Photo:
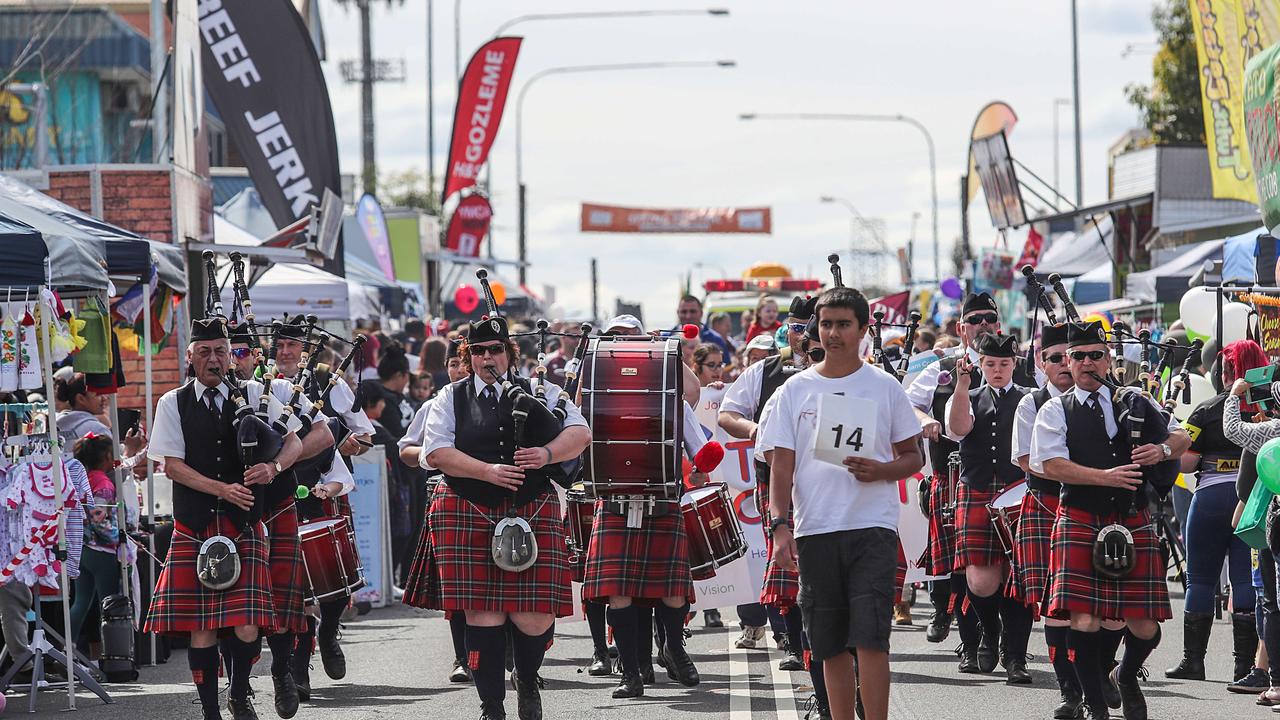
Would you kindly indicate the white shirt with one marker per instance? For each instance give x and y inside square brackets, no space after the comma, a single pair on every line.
[828,498]
[1049,436]
[1024,421]
[951,433]
[921,391]
[763,439]
[743,395]
[441,424]
[166,432]
[340,473]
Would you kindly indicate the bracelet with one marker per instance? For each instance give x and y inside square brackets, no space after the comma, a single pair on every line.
[544,447]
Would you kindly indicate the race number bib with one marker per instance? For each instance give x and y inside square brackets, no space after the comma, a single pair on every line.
[846,426]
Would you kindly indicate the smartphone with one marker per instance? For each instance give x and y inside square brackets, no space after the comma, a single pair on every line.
[126,420]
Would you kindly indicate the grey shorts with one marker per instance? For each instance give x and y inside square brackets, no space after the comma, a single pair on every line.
[846,589]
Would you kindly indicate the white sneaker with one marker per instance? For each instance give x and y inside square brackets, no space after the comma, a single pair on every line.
[750,638]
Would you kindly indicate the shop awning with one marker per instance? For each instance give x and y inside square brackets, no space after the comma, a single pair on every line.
[24,252]
[76,258]
[1071,254]
[1168,282]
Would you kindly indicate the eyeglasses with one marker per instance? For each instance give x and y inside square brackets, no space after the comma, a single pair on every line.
[1094,355]
[241,353]
[1054,358]
[797,327]
[494,349]
[979,319]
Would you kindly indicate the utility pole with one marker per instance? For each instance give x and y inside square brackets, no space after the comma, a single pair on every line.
[368,72]
[1075,89]
[595,293]
[431,107]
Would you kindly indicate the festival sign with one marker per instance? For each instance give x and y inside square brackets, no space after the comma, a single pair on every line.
[893,306]
[1261,114]
[616,219]
[1268,308]
[468,225]
[482,95]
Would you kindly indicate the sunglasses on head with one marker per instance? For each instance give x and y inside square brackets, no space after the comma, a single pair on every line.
[1054,358]
[1094,355]
[797,327]
[988,318]
[241,353]
[492,349]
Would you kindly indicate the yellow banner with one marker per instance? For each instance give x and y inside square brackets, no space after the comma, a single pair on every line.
[1228,33]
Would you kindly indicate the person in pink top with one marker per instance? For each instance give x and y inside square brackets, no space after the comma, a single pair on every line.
[99,564]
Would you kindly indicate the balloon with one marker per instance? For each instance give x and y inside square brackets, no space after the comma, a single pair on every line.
[1235,322]
[1201,390]
[466,299]
[951,288]
[499,292]
[1199,309]
[1268,465]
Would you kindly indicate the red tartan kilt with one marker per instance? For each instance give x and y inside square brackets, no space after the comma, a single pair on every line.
[1077,587]
[288,576]
[422,586]
[781,587]
[182,605]
[649,562]
[976,540]
[1032,549]
[459,567]
[939,555]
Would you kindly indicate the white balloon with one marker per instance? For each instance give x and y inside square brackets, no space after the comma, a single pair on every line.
[1199,310]
[1235,322]
[1201,391]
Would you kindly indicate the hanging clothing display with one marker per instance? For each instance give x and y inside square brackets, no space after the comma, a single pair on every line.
[8,352]
[30,370]
[95,356]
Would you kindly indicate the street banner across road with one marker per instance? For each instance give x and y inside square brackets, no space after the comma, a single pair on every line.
[469,225]
[616,219]
[482,94]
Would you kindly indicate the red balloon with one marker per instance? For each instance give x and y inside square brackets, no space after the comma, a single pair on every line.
[466,298]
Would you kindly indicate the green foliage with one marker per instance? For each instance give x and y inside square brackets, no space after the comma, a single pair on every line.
[1171,107]
[408,189]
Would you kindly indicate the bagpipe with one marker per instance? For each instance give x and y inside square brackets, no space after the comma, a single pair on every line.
[878,356]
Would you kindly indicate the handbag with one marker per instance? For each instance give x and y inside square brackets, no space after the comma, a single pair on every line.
[1253,521]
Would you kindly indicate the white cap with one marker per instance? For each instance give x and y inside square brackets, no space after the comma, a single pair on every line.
[764,341]
[624,321]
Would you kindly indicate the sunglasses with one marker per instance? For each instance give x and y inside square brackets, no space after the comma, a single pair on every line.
[1054,358]
[797,327]
[241,353]
[979,319]
[1094,355]
[493,349]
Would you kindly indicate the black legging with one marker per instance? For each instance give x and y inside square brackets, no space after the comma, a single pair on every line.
[99,579]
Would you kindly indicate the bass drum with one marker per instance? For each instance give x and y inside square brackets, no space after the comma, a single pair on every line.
[632,396]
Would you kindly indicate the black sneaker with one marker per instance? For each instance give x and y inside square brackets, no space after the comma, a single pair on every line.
[286,697]
[1256,681]
[711,619]
[335,663]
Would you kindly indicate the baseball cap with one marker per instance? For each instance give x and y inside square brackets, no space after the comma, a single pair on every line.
[624,321]
[762,342]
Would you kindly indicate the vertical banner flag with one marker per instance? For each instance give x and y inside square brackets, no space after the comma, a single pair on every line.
[895,306]
[374,224]
[1229,34]
[1261,115]
[1031,248]
[469,225]
[482,93]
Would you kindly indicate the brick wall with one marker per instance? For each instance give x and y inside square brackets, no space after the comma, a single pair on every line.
[139,200]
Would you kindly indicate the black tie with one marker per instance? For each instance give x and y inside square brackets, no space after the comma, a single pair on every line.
[1095,404]
[490,398]
[211,399]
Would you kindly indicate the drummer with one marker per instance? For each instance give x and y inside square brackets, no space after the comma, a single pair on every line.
[628,567]
[411,454]
[981,420]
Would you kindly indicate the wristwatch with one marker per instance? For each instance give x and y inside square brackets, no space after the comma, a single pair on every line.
[1168,451]
[279,468]
[776,522]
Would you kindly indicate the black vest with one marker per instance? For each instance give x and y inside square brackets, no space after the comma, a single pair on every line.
[211,451]
[1035,482]
[775,374]
[985,451]
[489,438]
[1088,445]
[941,449]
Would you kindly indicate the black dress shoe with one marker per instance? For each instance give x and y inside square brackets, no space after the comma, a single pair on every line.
[969,661]
[630,686]
[939,627]
[600,666]
[492,711]
[529,700]
[286,695]
[1131,697]
[461,672]
[241,709]
[335,663]
[987,656]
[300,670]
[1016,673]
[1072,705]
[679,665]
[646,675]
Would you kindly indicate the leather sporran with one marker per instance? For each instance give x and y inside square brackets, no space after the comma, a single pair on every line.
[1114,554]
[218,565]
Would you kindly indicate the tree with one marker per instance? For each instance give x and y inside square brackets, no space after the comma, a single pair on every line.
[408,189]
[1171,107]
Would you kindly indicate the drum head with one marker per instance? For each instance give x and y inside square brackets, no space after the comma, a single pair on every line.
[322,525]
[700,494]
[1012,496]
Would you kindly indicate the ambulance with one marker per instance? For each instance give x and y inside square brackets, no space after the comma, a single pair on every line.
[733,296]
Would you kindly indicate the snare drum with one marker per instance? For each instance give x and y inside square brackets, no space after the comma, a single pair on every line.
[631,396]
[580,512]
[1005,510]
[715,537]
[330,559]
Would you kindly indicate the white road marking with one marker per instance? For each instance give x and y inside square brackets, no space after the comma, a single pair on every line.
[739,683]
[783,690]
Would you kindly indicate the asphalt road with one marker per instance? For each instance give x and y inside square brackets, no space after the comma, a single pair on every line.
[398,659]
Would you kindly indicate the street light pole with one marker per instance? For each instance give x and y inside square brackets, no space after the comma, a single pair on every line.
[1075,93]
[565,70]
[602,14]
[457,39]
[864,117]
[431,107]
[1057,103]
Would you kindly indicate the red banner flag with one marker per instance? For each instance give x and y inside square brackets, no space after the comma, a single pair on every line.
[1031,250]
[894,306]
[469,225]
[482,93]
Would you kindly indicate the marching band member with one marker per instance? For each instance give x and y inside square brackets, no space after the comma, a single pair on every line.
[1106,560]
[214,495]
[845,542]
[470,438]
[981,420]
[411,454]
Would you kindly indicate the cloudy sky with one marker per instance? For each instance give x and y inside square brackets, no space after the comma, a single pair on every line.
[672,137]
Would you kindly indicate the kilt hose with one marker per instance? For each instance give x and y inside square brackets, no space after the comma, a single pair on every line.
[650,562]
[1077,587]
[454,568]
[939,556]
[1030,578]
[288,574]
[976,540]
[182,605]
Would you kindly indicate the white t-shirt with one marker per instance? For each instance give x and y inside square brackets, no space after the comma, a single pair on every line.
[828,498]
